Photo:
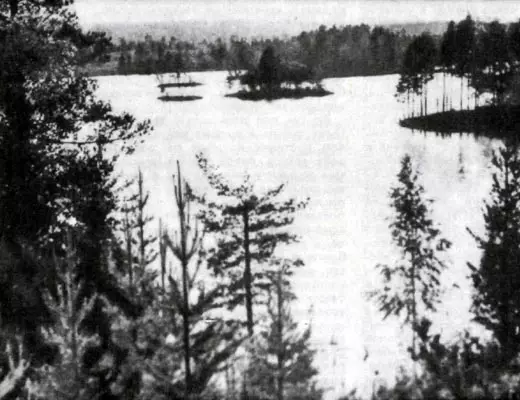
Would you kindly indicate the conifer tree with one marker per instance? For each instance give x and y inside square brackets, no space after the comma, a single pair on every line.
[67,378]
[53,131]
[447,57]
[248,228]
[203,342]
[412,286]
[465,38]
[496,298]
[138,242]
[281,366]
[418,68]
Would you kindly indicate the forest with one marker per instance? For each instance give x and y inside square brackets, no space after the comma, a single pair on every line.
[485,57]
[331,52]
[99,299]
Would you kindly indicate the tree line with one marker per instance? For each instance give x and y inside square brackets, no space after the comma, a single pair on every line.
[484,56]
[99,300]
[331,52]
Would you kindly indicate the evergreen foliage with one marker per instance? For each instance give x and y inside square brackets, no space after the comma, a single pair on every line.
[412,286]
[247,228]
[281,365]
[329,51]
[203,339]
[496,280]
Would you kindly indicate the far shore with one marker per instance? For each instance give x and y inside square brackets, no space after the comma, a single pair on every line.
[491,120]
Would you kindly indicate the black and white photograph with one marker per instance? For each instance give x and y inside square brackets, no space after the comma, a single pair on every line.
[259,200]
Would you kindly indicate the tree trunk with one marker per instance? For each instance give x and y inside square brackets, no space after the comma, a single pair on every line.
[461,91]
[185,288]
[280,355]
[444,91]
[247,273]
[426,99]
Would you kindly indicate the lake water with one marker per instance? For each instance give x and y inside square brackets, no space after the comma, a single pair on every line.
[343,151]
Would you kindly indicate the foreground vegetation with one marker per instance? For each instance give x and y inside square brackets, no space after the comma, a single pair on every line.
[94,303]
[468,367]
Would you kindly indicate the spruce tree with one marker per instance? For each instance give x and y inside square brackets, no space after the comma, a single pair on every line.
[412,286]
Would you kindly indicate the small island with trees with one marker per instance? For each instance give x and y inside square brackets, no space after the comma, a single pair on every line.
[486,59]
[274,79]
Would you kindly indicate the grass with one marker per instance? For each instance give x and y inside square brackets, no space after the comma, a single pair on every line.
[179,98]
[493,121]
[281,93]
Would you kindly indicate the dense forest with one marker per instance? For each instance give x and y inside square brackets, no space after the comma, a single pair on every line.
[345,51]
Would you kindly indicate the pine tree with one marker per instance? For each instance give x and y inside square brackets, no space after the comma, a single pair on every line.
[67,378]
[248,228]
[281,366]
[204,340]
[447,57]
[418,68]
[412,285]
[465,39]
[138,242]
[53,136]
[53,130]
[496,299]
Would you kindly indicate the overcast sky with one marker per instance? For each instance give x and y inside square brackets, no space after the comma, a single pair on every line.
[300,12]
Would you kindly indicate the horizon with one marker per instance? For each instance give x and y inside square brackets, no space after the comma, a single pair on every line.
[289,15]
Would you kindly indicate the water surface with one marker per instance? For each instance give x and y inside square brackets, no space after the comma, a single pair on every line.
[343,151]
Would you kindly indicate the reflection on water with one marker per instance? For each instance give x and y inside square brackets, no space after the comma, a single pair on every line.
[342,151]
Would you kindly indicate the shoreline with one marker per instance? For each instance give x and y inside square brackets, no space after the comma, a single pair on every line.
[490,120]
[279,94]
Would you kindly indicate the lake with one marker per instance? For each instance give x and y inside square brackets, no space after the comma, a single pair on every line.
[343,151]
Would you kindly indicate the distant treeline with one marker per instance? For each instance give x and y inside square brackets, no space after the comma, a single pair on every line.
[485,56]
[344,51]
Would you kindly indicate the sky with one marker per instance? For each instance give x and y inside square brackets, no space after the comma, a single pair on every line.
[304,13]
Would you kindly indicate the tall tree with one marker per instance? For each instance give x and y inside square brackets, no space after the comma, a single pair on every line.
[412,285]
[496,298]
[448,53]
[466,42]
[248,228]
[418,68]
[494,63]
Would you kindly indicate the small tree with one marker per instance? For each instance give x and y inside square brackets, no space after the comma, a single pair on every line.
[206,341]
[420,245]
[67,377]
[281,366]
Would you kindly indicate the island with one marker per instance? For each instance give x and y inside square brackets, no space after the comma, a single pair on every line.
[274,79]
